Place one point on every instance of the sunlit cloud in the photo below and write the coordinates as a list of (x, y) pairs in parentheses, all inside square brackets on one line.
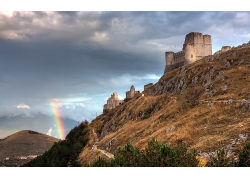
[(22, 106)]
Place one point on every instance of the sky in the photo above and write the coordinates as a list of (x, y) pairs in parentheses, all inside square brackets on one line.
[(72, 61)]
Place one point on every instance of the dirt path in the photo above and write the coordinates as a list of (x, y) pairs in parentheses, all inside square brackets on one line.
[(94, 147)]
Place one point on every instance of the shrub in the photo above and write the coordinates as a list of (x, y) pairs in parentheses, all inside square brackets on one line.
[(221, 160), (192, 96), (65, 152), (155, 155), (244, 156), (148, 112)]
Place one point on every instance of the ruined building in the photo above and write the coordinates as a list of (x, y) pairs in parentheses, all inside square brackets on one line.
[(148, 86), (131, 93), (195, 47), (112, 102), (223, 49)]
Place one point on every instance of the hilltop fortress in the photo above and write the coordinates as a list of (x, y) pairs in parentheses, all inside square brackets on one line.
[(195, 47)]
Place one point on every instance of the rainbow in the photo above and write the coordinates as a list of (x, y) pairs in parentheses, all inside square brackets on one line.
[(58, 121)]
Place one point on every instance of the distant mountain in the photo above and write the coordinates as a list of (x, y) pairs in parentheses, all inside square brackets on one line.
[(23, 146), (65, 153), (37, 122)]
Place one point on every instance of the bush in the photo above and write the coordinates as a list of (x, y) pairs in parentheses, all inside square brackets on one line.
[(244, 156), (148, 112), (64, 153), (155, 155), (221, 160)]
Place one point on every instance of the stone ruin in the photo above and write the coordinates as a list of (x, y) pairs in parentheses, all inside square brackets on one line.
[(112, 102), (131, 93), (148, 86), (195, 47), (223, 49)]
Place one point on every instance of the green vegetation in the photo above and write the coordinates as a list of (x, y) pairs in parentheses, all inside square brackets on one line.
[(64, 153), (244, 156), (221, 160), (157, 154), (148, 112)]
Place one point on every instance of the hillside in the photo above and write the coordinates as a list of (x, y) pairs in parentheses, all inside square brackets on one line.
[(23, 146), (64, 153), (203, 105)]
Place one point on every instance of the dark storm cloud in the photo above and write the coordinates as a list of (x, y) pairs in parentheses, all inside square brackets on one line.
[(72, 55)]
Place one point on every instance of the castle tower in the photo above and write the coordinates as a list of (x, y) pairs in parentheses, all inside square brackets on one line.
[(131, 93), (202, 44), (195, 47), (169, 58), (190, 54)]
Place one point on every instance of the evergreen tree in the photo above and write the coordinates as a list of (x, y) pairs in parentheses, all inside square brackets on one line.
[(244, 156)]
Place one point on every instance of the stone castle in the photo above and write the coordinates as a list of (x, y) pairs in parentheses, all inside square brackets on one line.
[(114, 101), (195, 47), (131, 93)]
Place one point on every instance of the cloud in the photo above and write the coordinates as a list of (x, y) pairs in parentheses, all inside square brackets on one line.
[(49, 131), (23, 106), (77, 59)]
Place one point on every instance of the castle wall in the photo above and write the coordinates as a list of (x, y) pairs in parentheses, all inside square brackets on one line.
[(205, 48), (174, 66), (225, 48), (179, 57), (147, 86), (112, 102), (169, 57), (195, 47), (131, 93)]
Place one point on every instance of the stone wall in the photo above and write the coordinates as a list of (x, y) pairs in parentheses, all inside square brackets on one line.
[(148, 86), (112, 102), (195, 47), (131, 93), (223, 49)]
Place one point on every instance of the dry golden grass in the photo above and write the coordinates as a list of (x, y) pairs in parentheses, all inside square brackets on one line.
[(174, 121)]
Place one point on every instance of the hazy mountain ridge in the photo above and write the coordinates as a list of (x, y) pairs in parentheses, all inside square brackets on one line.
[(37, 122), (204, 105)]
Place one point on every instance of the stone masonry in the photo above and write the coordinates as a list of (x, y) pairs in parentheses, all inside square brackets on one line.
[(148, 86), (131, 93), (112, 102), (195, 47)]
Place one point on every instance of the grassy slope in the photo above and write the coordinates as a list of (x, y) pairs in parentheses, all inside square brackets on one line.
[(175, 118)]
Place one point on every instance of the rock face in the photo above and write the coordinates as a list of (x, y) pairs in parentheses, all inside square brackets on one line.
[(192, 74), (204, 104)]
